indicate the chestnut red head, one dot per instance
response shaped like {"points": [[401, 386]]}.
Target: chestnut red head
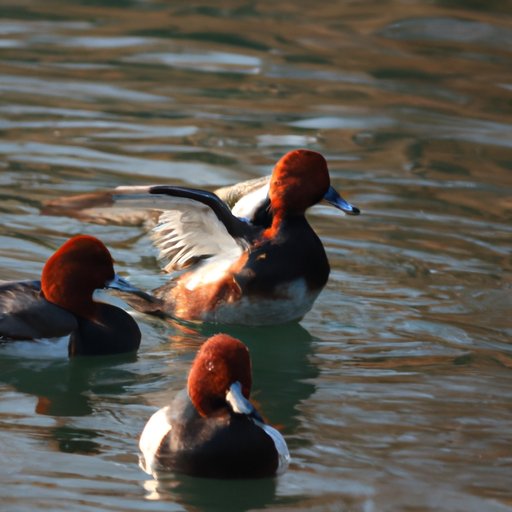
{"points": [[220, 362], [300, 179], [70, 276]]}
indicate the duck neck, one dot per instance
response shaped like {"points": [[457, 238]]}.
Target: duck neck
{"points": [[279, 220]]}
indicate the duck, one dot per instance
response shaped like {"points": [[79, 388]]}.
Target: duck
{"points": [[211, 429], [263, 266], [61, 302]]}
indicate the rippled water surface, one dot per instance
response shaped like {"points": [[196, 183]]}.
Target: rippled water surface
{"points": [[394, 392]]}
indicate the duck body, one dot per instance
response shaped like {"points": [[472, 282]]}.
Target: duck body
{"points": [[275, 280], [266, 267], [61, 303], [228, 445], [211, 429]]}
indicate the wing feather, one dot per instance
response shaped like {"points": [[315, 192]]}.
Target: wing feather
{"points": [[191, 231], [189, 228]]}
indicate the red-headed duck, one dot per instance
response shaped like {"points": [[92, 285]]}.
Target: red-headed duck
{"points": [[262, 271], [249, 200], [211, 429], [62, 302]]}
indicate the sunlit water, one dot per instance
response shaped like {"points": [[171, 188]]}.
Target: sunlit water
{"points": [[394, 392]]}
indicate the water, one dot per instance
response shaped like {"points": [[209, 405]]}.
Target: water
{"points": [[394, 392]]}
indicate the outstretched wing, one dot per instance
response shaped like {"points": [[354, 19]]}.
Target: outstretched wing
{"points": [[193, 224], [100, 207]]}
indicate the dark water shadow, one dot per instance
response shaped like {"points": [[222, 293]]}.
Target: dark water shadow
{"points": [[62, 386], [66, 388], [201, 494]]}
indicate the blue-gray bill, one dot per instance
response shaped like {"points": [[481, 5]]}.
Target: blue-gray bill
{"points": [[119, 283], [240, 404], [333, 198]]}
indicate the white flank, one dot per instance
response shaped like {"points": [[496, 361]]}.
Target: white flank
{"points": [[281, 447], [156, 429], [293, 302]]}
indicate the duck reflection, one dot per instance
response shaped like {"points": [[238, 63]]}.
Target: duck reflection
{"points": [[64, 388], [67, 388], [197, 494]]}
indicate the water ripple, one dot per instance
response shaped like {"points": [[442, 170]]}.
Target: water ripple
{"points": [[88, 91]]}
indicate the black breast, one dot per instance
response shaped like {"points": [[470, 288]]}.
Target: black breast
{"points": [[113, 332], [226, 446], [295, 252]]}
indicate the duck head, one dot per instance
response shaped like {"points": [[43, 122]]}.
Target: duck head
{"points": [[300, 179], [80, 266], [221, 377]]}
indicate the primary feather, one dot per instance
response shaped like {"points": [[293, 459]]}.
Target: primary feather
{"points": [[188, 231]]}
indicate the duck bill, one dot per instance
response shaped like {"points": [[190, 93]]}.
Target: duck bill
{"points": [[334, 199], [237, 401], [119, 283]]}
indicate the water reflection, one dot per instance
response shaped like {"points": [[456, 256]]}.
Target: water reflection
{"points": [[71, 388], [206, 62], [449, 30], [197, 494], [410, 101]]}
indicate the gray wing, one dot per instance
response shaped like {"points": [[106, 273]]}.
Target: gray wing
{"points": [[101, 208], [25, 314], [236, 193]]}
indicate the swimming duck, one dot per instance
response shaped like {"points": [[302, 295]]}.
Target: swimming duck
{"points": [[266, 267], [211, 429], [61, 303]]}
